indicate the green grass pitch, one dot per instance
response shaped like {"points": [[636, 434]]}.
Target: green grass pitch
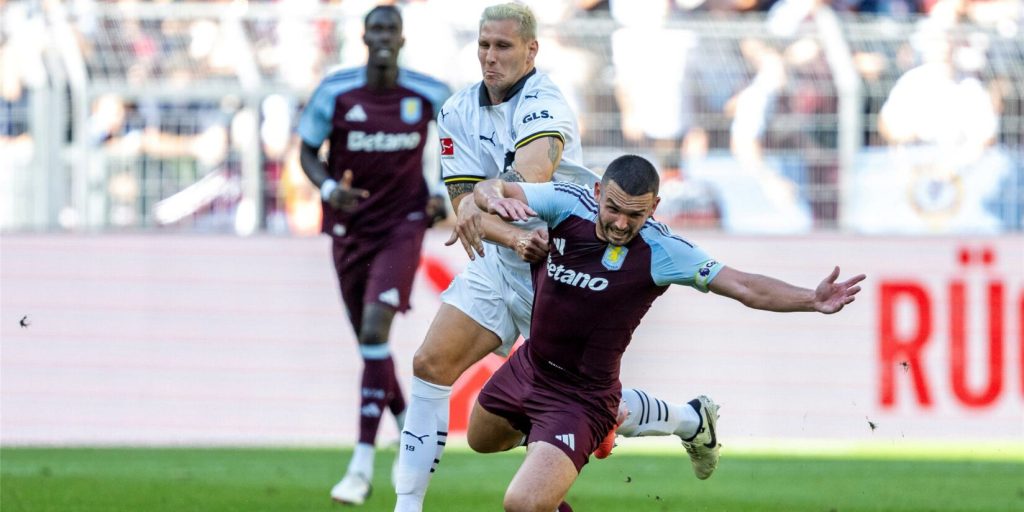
{"points": [[282, 480]]}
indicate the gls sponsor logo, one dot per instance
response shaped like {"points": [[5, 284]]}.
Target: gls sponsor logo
{"points": [[533, 116], [380, 141], [573, 278]]}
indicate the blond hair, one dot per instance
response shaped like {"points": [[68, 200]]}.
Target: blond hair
{"points": [[513, 11]]}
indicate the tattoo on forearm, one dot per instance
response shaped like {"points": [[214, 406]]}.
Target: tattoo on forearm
{"points": [[512, 175], [457, 189], [554, 151]]}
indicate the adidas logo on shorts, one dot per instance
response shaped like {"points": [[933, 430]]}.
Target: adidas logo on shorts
{"points": [[390, 297], [568, 439]]}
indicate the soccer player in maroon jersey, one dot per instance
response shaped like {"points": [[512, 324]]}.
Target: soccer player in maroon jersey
{"points": [[607, 264], [376, 207]]}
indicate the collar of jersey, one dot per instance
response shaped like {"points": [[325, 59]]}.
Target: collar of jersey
{"points": [[485, 100]]}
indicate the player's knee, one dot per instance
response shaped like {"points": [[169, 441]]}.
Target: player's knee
{"points": [[484, 443], [477, 443], [376, 325], [526, 500], [431, 367]]}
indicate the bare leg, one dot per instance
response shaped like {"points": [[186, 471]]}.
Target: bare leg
{"points": [[454, 342], [542, 481], [490, 433]]}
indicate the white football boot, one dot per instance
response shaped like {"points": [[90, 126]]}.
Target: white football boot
{"points": [[352, 490], [703, 447]]}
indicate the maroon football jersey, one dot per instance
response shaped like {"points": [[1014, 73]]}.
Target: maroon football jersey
{"points": [[584, 313], [380, 137]]}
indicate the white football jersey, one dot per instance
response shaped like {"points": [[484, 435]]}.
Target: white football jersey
{"points": [[479, 141]]}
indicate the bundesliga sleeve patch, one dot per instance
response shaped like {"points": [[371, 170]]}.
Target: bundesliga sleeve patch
{"points": [[447, 147]]}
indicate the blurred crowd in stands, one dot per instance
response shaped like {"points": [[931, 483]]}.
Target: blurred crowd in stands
{"points": [[736, 100]]}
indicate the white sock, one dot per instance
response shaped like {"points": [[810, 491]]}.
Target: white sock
{"points": [[362, 460], [650, 416], [423, 438]]}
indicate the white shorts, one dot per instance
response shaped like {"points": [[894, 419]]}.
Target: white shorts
{"points": [[482, 292]]}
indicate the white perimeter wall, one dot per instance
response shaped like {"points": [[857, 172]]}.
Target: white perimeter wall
{"points": [[142, 339]]}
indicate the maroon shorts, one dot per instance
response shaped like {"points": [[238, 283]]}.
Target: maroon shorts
{"points": [[380, 269], [550, 409]]}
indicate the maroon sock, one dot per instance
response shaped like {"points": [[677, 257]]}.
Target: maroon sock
{"points": [[397, 402], [376, 393], [564, 507]]}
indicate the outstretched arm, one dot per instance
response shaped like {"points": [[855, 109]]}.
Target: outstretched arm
{"points": [[770, 294]]}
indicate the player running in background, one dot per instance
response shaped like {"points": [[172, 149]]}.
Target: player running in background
{"points": [[611, 261], [376, 207], [517, 126]]}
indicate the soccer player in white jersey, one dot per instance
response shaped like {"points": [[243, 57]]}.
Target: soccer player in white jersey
{"points": [[514, 125]]}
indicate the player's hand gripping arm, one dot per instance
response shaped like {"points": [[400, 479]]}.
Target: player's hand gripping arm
{"points": [[770, 294], [342, 195], [474, 225], [535, 162], [504, 199]]}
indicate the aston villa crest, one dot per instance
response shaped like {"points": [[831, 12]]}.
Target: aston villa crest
{"points": [[412, 110], [614, 256]]}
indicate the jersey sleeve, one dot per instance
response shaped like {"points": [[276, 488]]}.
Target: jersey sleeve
{"points": [[556, 201], [545, 115], [460, 162], [316, 121], [676, 261]]}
